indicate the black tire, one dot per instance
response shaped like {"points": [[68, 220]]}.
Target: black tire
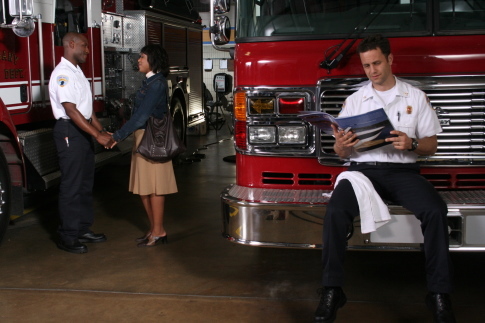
{"points": [[179, 118], [5, 195]]}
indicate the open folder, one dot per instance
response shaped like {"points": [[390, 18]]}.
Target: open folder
{"points": [[371, 128]]}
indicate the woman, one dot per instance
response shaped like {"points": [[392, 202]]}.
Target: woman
{"points": [[151, 180]]}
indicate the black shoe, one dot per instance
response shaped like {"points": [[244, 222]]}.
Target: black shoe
{"points": [[74, 247], [92, 237], [440, 305], [332, 298]]}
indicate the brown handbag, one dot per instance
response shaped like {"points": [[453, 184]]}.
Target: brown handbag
{"points": [[160, 142]]}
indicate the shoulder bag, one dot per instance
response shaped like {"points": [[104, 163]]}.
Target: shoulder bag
{"points": [[160, 142]]}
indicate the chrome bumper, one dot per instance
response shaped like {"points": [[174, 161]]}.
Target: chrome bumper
{"points": [[294, 219]]}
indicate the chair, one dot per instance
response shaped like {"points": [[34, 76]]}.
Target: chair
{"points": [[212, 111], [215, 109]]}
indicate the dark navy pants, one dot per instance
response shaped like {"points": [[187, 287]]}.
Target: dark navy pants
{"points": [[76, 161], [403, 185]]}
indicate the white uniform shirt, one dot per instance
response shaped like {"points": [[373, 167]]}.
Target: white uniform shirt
{"points": [[68, 84], [409, 112]]}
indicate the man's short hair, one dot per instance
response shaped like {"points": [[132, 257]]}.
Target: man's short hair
{"points": [[374, 42], [72, 36]]}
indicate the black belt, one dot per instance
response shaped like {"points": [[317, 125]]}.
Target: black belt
{"points": [[70, 121], [375, 163]]}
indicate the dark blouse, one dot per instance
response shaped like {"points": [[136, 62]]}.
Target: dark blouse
{"points": [[151, 100]]}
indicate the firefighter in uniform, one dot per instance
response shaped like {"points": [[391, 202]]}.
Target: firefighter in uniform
{"points": [[72, 106], [393, 172]]}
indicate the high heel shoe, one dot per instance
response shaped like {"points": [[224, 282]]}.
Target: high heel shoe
{"points": [[152, 241], [144, 238]]}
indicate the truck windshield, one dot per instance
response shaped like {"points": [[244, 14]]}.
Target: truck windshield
{"points": [[317, 19]]}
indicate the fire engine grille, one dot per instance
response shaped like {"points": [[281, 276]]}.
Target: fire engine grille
{"points": [[473, 179], [459, 102], [300, 179]]}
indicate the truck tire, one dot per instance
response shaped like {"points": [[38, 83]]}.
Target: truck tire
{"points": [[179, 118], [5, 189]]}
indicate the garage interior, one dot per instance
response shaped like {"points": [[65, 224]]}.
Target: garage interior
{"points": [[199, 276]]}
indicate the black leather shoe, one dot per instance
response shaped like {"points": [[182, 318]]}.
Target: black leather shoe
{"points": [[74, 247], [92, 237], [332, 298], [440, 305]]}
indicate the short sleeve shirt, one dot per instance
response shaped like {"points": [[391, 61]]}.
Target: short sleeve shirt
{"points": [[68, 84], [410, 112]]}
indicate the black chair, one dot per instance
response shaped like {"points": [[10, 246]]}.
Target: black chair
{"points": [[213, 113]]}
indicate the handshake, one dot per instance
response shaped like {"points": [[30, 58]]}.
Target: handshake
{"points": [[106, 139]]}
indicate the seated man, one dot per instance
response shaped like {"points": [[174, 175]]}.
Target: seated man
{"points": [[393, 172]]}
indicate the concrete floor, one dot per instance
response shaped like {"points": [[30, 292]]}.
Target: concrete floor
{"points": [[199, 276]]}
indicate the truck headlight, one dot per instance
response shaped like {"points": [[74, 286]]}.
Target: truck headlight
{"points": [[262, 134], [291, 135]]}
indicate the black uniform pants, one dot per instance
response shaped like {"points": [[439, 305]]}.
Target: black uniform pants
{"points": [[403, 185], [76, 161]]}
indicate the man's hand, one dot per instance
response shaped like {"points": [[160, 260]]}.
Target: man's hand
{"points": [[104, 139], [401, 141], [427, 146], [344, 141]]}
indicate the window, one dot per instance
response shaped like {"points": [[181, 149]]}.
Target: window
{"points": [[71, 16]]}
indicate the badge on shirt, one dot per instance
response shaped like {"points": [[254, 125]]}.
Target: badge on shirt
{"points": [[429, 102], [409, 109], [62, 80], [343, 107]]}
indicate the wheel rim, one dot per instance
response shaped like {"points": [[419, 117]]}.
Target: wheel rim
{"points": [[5, 195], [2, 200], [178, 120]]}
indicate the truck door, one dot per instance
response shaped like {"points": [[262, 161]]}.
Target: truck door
{"points": [[15, 76]]}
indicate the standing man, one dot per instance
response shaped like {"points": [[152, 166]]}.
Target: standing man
{"points": [[72, 106], [393, 171]]}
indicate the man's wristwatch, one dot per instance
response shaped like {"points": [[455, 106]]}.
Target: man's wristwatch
{"points": [[414, 145]]}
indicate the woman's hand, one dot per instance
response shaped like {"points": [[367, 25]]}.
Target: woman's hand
{"points": [[114, 141]]}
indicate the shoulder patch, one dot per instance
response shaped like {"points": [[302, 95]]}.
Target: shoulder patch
{"points": [[62, 80], [429, 102]]}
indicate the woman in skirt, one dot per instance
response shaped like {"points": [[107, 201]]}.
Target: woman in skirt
{"points": [[151, 180]]}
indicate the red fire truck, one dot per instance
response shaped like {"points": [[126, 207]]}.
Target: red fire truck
{"points": [[31, 46], [299, 55]]}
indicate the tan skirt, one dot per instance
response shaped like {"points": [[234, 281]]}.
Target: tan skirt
{"points": [[148, 177]]}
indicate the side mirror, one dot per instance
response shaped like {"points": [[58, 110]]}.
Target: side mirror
{"points": [[221, 26], [222, 6], [222, 30]]}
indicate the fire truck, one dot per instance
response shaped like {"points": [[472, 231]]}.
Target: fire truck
{"points": [[31, 46], [300, 55]]}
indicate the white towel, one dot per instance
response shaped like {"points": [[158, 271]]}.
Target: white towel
{"points": [[373, 212]]}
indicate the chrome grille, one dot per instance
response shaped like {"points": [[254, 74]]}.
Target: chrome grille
{"points": [[459, 102]]}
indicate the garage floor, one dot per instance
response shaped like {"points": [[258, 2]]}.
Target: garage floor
{"points": [[198, 276]]}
